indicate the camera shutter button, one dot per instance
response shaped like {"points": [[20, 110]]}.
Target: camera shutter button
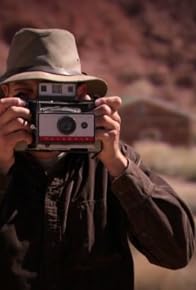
{"points": [[84, 125]]}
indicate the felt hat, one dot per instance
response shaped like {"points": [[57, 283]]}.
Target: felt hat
{"points": [[48, 54]]}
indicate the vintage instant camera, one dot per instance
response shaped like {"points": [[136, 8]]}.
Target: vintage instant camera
{"points": [[60, 121]]}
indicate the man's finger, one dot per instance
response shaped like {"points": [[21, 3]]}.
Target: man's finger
{"points": [[113, 102], [7, 102]]}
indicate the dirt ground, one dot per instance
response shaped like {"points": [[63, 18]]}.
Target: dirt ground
{"points": [[151, 277]]}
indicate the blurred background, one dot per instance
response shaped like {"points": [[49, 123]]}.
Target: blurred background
{"points": [[146, 51]]}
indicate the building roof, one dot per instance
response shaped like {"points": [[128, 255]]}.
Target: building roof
{"points": [[127, 101]]}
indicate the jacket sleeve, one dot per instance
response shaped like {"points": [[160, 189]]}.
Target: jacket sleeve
{"points": [[4, 181], [160, 224]]}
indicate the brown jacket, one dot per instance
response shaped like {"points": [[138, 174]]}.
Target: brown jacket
{"points": [[71, 229]]}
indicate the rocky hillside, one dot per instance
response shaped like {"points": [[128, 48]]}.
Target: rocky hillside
{"points": [[140, 47]]}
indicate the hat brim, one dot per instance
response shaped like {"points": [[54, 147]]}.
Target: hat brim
{"points": [[95, 86]]}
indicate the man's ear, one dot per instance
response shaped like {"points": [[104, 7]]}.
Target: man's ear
{"points": [[4, 90]]}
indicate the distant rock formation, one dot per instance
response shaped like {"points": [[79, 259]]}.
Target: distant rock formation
{"points": [[124, 41]]}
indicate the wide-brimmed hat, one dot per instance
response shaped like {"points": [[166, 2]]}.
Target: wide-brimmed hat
{"points": [[48, 54]]}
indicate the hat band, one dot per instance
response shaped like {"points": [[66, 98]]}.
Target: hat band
{"points": [[46, 69]]}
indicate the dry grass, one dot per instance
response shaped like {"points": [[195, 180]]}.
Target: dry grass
{"points": [[165, 159], [151, 277]]}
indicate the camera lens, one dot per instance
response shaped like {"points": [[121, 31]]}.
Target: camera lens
{"points": [[66, 125]]}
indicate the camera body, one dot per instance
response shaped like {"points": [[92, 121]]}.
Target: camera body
{"points": [[61, 122]]}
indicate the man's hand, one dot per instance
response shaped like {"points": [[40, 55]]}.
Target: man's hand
{"points": [[14, 128], [108, 124]]}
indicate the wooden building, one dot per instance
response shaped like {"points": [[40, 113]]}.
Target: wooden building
{"points": [[155, 119]]}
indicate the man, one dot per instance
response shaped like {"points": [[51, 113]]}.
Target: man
{"points": [[67, 219]]}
